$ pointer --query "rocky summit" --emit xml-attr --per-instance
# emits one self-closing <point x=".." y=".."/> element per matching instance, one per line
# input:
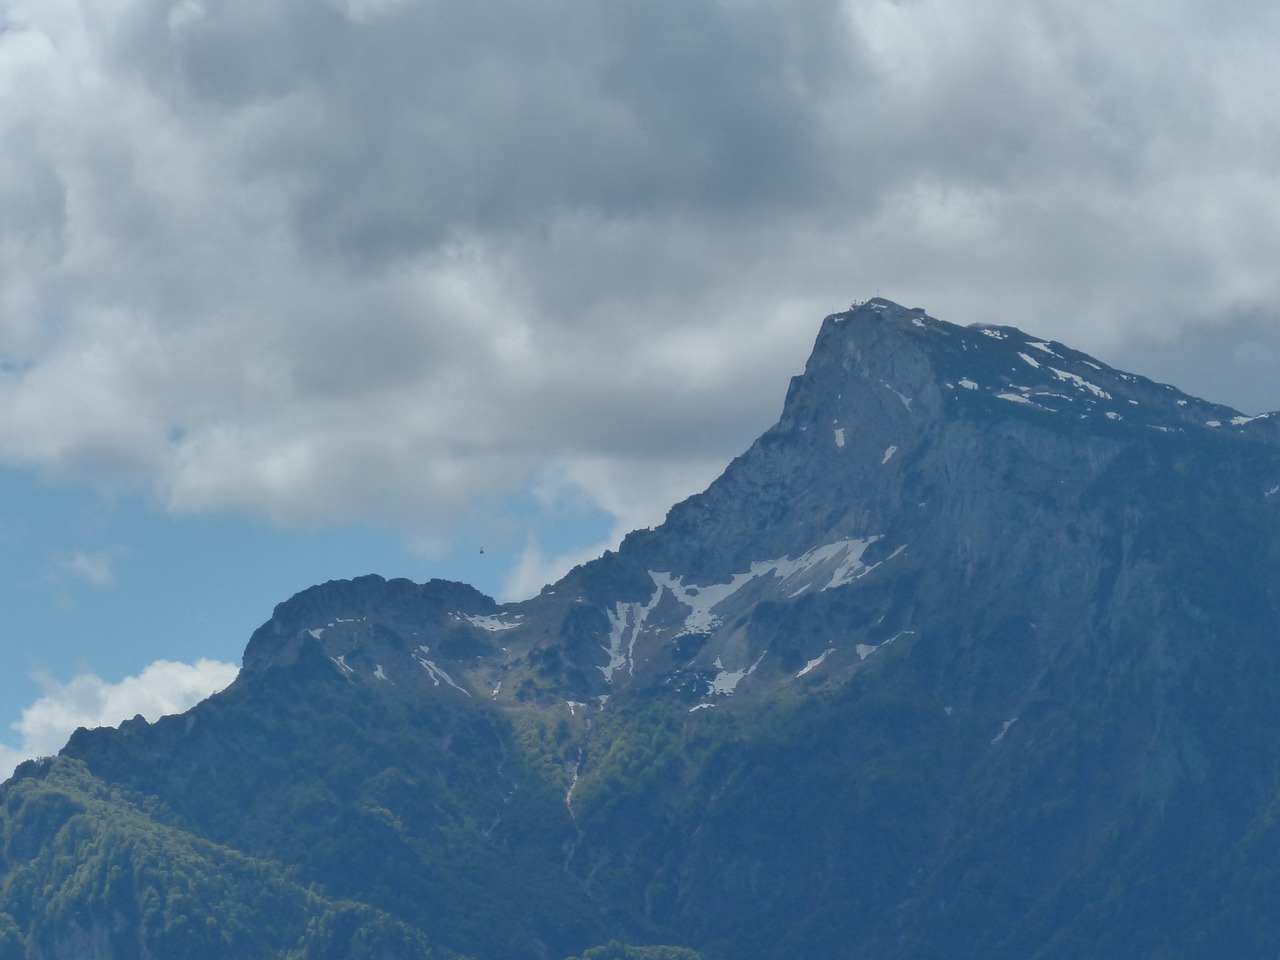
<point x="973" y="654"/>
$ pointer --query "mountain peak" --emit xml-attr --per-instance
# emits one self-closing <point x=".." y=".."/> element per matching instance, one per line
<point x="911" y="355"/>
<point x="387" y="619"/>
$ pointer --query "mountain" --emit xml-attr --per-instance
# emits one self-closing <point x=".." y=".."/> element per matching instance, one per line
<point x="973" y="654"/>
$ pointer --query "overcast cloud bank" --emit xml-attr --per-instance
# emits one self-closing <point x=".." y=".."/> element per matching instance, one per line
<point x="392" y="261"/>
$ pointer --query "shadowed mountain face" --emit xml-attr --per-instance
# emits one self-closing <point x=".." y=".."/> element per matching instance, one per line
<point x="973" y="654"/>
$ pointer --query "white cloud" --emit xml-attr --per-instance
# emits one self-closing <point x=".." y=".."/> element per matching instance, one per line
<point x="375" y="260"/>
<point x="10" y="758"/>
<point x="95" y="568"/>
<point x="161" y="689"/>
<point x="534" y="570"/>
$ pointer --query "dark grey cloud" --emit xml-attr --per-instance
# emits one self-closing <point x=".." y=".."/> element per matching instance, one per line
<point x="384" y="259"/>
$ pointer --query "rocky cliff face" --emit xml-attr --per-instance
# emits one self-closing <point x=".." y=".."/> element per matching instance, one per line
<point x="932" y="461"/>
<point x="973" y="653"/>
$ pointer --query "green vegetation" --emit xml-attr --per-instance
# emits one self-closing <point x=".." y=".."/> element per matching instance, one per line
<point x="108" y="876"/>
<point x="11" y="947"/>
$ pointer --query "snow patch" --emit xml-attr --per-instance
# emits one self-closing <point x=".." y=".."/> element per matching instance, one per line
<point x="1213" y="423"/>
<point x="815" y="662"/>
<point x="968" y="384"/>
<point x="1273" y="491"/>
<point x="317" y="634"/>
<point x="889" y="452"/>
<point x="995" y="334"/>
<point x="1031" y="360"/>
<point x="701" y="706"/>
<point x="1081" y="383"/>
<point x="434" y="671"/>
<point x="1004" y="729"/>
<point x="342" y="664"/>
<point x="840" y="436"/>
<point x="864" y="650"/>
<point x="906" y="401"/>
<point x="1041" y="345"/>
<point x="626" y="621"/>
<point x="1015" y="397"/>
<point x="1112" y="415"/>
<point x="494" y="623"/>
<point x="1241" y="421"/>
<point x="822" y="568"/>
<point x="707" y="607"/>
<point x="380" y="674"/>
<point x="727" y="681"/>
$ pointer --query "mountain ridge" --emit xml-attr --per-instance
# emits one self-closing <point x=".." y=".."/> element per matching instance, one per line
<point x="971" y="652"/>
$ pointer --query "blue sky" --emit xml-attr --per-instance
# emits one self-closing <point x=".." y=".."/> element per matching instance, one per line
<point x="103" y="584"/>
<point x="305" y="289"/>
